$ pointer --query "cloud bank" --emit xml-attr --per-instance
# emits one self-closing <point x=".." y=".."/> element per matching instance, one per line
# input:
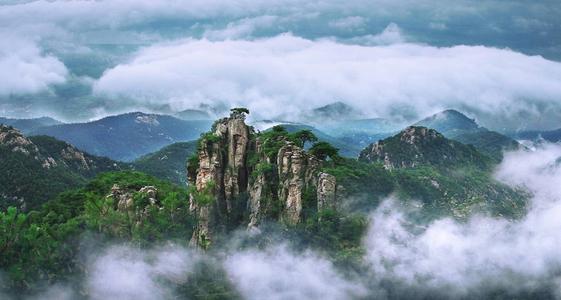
<point x="286" y="74"/>
<point x="25" y="69"/>
<point x="279" y="274"/>
<point x="454" y="259"/>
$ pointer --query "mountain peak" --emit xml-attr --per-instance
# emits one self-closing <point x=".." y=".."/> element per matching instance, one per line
<point x="336" y="111"/>
<point x="448" y="120"/>
<point x="15" y="140"/>
<point x="415" y="146"/>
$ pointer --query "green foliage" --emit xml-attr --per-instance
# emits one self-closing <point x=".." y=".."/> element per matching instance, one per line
<point x="209" y="138"/>
<point x="205" y="196"/>
<point x="25" y="177"/>
<point x="272" y="140"/>
<point x="323" y="150"/>
<point x="304" y="136"/>
<point x="240" y="110"/>
<point x="44" y="244"/>
<point x="168" y="163"/>
<point x="193" y="165"/>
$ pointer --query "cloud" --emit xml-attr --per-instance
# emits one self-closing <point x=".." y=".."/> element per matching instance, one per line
<point x="277" y="273"/>
<point x="458" y="259"/>
<point x="286" y="75"/>
<point x="25" y="69"/>
<point x="391" y="35"/>
<point x="348" y="23"/>
<point x="240" y="29"/>
<point x="128" y="273"/>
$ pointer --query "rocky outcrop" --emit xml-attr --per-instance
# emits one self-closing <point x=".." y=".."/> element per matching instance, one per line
<point x="326" y="192"/>
<point x="297" y="174"/>
<point x="124" y="201"/>
<point x="12" y="138"/>
<point x="238" y="183"/>
<point x="223" y="173"/>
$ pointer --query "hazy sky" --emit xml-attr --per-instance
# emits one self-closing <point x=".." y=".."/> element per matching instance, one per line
<point x="78" y="60"/>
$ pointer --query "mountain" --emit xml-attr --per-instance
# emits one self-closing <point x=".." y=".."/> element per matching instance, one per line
<point x="448" y="122"/>
<point x="417" y="146"/>
<point x="28" y="125"/>
<point x="128" y="136"/>
<point x="553" y="136"/>
<point x="335" y="111"/>
<point x="455" y="125"/>
<point x="36" y="169"/>
<point x="193" y="114"/>
<point x="168" y="163"/>
<point x="448" y="177"/>
<point x="359" y="132"/>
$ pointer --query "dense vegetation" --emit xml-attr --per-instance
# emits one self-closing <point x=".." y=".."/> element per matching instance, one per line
<point x="168" y="163"/>
<point x="44" y="245"/>
<point x="46" y="168"/>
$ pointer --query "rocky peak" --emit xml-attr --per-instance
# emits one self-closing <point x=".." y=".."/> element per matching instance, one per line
<point x="14" y="139"/>
<point x="420" y="145"/>
<point x="415" y="135"/>
<point x="223" y="173"/>
<point x="243" y="178"/>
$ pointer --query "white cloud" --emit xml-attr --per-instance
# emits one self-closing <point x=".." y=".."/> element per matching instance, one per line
<point x="25" y="69"/>
<point x="240" y="29"/>
<point x="287" y="74"/>
<point x="127" y="273"/>
<point x="391" y="35"/>
<point x="454" y="258"/>
<point x="277" y="273"/>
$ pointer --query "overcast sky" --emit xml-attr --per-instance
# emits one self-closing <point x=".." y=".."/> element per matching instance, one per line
<point x="78" y="60"/>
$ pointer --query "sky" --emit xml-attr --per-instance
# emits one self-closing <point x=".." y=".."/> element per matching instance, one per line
<point x="499" y="61"/>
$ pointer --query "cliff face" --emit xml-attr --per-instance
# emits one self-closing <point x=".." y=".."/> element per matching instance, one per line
<point x="222" y="174"/>
<point x="237" y="184"/>
<point x="297" y="175"/>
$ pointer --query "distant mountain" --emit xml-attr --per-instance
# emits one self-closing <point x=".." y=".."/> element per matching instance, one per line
<point x="359" y="132"/>
<point x="449" y="121"/>
<point x="335" y="111"/>
<point x="193" y="114"/>
<point x="553" y="136"/>
<point x="28" y="125"/>
<point x="36" y="169"/>
<point x="169" y="163"/>
<point x="128" y="136"/>
<point x="417" y="146"/>
<point x="455" y="125"/>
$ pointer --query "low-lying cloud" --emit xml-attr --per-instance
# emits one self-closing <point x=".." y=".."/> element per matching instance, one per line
<point x="278" y="273"/>
<point x="484" y="254"/>
<point x="284" y="75"/>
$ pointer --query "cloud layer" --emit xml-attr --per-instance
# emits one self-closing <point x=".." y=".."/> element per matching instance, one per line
<point x="456" y="259"/>
<point x="286" y="74"/>
<point x="279" y="274"/>
<point x="25" y="69"/>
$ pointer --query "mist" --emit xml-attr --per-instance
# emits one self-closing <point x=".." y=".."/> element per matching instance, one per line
<point x="483" y="254"/>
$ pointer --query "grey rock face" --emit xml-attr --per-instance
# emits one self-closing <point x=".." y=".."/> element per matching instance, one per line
<point x="326" y="192"/>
